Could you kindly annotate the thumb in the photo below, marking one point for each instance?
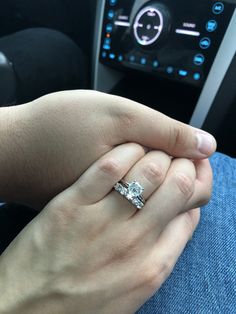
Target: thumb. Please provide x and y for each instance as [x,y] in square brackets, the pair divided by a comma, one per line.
[143,125]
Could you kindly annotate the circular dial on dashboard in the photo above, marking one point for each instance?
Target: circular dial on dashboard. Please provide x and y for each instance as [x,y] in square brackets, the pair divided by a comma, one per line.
[148,25]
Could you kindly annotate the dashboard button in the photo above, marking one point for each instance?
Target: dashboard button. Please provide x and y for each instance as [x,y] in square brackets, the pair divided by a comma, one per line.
[218,8]
[112,56]
[183,73]
[120,58]
[205,43]
[107,41]
[196,76]
[106,47]
[113,2]
[109,28]
[155,64]
[143,61]
[132,58]
[104,54]
[110,15]
[169,70]
[211,26]
[148,26]
[199,59]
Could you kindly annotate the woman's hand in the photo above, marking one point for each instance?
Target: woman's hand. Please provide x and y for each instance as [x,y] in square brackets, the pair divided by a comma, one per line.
[90,251]
[54,139]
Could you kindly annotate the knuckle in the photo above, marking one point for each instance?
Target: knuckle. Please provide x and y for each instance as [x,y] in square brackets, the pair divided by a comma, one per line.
[177,136]
[157,273]
[110,166]
[154,173]
[185,185]
[150,279]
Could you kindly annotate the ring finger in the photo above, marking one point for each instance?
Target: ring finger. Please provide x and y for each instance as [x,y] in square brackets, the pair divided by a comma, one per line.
[150,173]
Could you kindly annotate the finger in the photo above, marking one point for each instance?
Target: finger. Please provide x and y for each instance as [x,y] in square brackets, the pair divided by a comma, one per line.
[101,177]
[203,185]
[170,199]
[150,172]
[140,124]
[172,242]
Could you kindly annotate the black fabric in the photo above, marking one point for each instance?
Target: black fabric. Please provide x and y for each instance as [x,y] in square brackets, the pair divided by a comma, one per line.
[13,218]
[44,61]
[72,17]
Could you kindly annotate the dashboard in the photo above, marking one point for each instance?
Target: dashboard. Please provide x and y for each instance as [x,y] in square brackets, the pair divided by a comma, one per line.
[167,48]
[175,40]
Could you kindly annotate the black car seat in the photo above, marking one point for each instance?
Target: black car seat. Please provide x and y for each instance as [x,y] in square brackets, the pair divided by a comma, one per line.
[38,61]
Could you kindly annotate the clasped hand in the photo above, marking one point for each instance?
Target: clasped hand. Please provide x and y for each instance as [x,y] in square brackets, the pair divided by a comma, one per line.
[91,251]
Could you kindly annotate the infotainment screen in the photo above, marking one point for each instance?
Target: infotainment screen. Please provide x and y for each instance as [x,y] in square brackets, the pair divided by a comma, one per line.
[171,39]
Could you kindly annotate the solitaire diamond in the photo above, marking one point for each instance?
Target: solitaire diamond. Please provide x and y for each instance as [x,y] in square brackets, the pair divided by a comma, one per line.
[132,192]
[135,189]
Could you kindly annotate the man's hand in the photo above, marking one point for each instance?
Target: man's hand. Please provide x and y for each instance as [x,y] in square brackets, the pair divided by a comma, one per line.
[54,139]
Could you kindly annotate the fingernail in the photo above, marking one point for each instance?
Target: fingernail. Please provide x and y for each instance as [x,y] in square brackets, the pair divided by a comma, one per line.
[206,143]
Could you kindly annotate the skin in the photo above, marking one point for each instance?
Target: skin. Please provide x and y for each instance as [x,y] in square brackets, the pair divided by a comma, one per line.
[91,251]
[47,144]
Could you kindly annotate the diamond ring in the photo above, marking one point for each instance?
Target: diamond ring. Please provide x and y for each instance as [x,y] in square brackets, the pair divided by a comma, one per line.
[132,192]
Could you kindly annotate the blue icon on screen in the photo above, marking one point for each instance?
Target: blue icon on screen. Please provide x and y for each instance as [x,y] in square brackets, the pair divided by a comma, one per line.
[155,64]
[104,54]
[109,28]
[112,56]
[199,59]
[111,15]
[170,70]
[205,43]
[107,41]
[107,44]
[218,8]
[143,61]
[113,2]
[106,47]
[183,73]
[120,58]
[211,26]
[132,58]
[196,76]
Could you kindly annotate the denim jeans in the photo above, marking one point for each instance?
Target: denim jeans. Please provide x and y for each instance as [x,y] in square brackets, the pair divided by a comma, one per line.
[204,279]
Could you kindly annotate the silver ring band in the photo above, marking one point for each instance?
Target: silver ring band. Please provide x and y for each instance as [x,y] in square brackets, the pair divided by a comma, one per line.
[132,192]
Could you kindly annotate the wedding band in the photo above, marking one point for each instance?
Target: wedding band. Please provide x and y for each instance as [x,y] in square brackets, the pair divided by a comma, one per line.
[132,192]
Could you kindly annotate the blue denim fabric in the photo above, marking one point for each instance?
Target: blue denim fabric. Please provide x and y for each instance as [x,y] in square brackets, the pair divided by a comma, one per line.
[204,279]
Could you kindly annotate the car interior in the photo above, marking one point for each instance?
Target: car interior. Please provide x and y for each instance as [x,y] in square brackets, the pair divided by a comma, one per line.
[177,57]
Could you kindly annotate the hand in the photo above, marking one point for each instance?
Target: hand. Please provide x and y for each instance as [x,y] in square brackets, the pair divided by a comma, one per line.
[90,250]
[57,137]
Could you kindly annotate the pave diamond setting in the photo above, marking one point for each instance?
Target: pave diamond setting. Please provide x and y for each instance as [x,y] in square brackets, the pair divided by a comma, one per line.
[121,189]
